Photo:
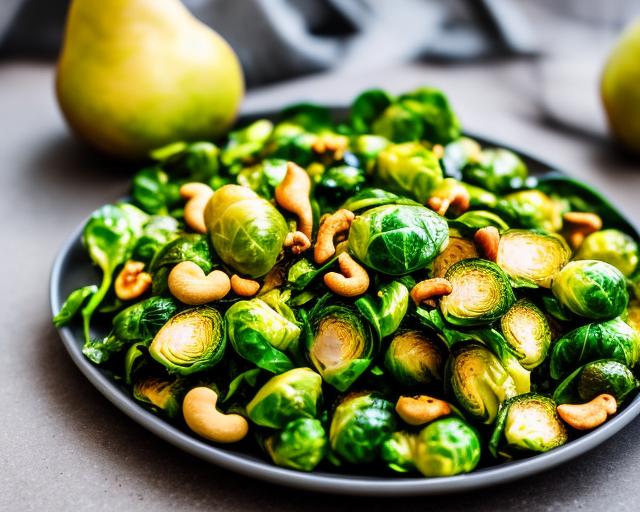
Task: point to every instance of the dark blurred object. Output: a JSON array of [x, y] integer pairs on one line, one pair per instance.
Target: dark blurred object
[[278, 39]]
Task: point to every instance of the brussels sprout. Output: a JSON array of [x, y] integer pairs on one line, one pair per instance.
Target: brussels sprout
[[531, 209], [246, 143], [191, 341], [367, 148], [457, 249], [409, 169], [476, 219], [447, 447], [458, 154], [440, 123], [499, 171], [414, 359], [310, 117], [527, 333], [398, 124], [194, 161], [593, 379], [261, 335], [500, 348], [371, 197], [160, 394], [593, 289], [481, 293], [633, 314], [301, 445], [387, 309], [479, 198], [527, 423], [340, 342], [264, 177], [479, 381], [397, 451], [246, 230], [156, 233], [613, 339], [611, 246], [152, 191], [286, 397], [340, 182], [367, 107], [531, 258], [359, 426], [397, 239]]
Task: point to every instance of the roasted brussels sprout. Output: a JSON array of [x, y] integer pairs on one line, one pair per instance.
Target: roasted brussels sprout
[[286, 397], [397, 239], [531, 209], [152, 191], [156, 233], [194, 161], [481, 293], [367, 107], [613, 339], [414, 359], [478, 381], [246, 230], [590, 288], [527, 333], [499, 171], [359, 426], [447, 447], [611, 246], [340, 342], [531, 258], [440, 123], [398, 451], [456, 250], [191, 341], [264, 177], [387, 309], [339, 183], [527, 423], [593, 379], [245, 143], [160, 394], [301, 445], [458, 154]]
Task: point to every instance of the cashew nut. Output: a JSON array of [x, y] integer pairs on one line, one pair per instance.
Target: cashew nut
[[197, 195], [244, 287], [590, 415], [438, 151], [189, 284], [353, 280], [338, 222], [335, 145], [132, 281], [292, 194], [421, 409], [297, 241], [456, 196], [488, 239], [430, 288], [200, 414], [580, 225]]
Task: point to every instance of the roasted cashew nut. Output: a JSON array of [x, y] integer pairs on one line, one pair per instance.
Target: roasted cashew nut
[[353, 280], [334, 224], [457, 197], [197, 195], [580, 225], [421, 409], [330, 144], [200, 414], [132, 282], [297, 241], [292, 194], [189, 284], [488, 239], [430, 288], [590, 415], [244, 287]]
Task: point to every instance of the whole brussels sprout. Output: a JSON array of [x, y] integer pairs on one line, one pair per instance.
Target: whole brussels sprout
[[398, 451], [367, 107], [160, 394], [431, 105], [339, 183], [531, 209], [359, 426], [447, 447], [590, 288], [458, 154], [479, 381], [191, 341], [527, 333], [397, 239], [286, 397], [414, 358], [247, 231], [245, 143], [527, 423], [456, 250], [398, 124], [611, 246], [499, 171], [481, 293], [301, 445]]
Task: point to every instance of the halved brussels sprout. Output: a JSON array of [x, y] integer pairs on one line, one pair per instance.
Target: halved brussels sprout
[[414, 359], [611, 246], [397, 451], [527, 333], [261, 335], [160, 394], [613, 339], [531, 209], [590, 288], [481, 293], [479, 381], [499, 171], [593, 379], [532, 258], [527, 423], [246, 230], [301, 445], [191, 341], [387, 309], [456, 250], [359, 426], [397, 239], [286, 397], [340, 342], [447, 447]]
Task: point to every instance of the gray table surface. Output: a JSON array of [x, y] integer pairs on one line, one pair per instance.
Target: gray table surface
[[63, 446]]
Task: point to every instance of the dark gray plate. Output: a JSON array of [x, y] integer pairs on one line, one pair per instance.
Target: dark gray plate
[[72, 269]]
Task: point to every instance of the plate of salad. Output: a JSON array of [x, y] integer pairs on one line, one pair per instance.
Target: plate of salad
[[360, 300]]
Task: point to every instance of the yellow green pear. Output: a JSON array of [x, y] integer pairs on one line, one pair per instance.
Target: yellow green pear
[[136, 74], [620, 88]]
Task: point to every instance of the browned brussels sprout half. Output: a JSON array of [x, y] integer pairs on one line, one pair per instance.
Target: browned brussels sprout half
[[414, 359], [527, 333]]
